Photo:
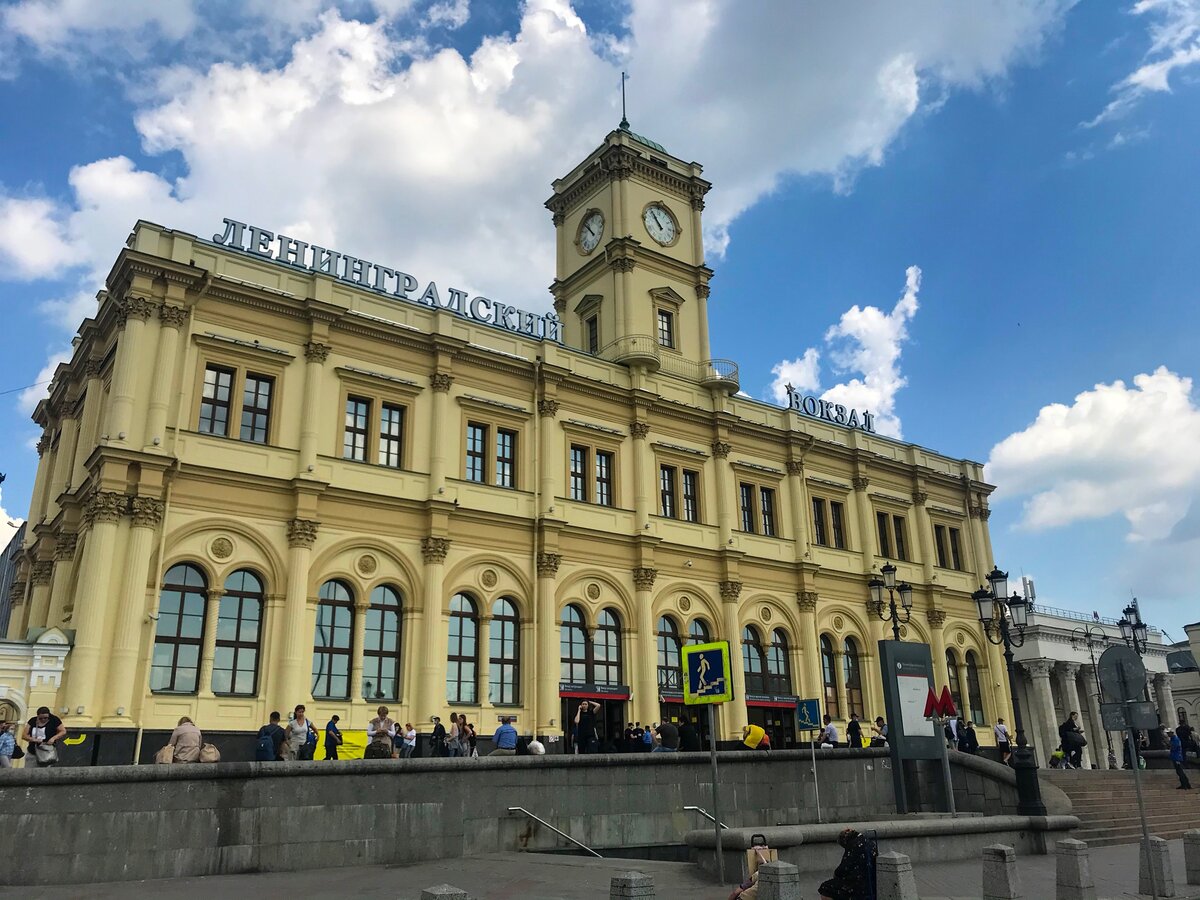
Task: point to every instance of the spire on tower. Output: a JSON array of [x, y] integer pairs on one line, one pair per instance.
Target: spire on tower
[[624, 126]]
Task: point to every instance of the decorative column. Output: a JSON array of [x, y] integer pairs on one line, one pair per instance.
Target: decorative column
[[93, 400], [42, 480], [295, 654], [642, 476], [438, 426], [551, 459], [315, 353], [983, 553], [1165, 698], [796, 496], [129, 625], [998, 672], [64, 462], [721, 451], [702, 292], [1067, 673], [133, 312], [431, 688], [964, 687], [810, 641], [735, 712], [839, 677], [171, 320], [102, 512], [16, 599], [645, 689], [1042, 698], [866, 521], [64, 566], [41, 575], [622, 271], [1098, 737], [356, 688], [208, 651], [548, 658], [937, 644], [924, 535]]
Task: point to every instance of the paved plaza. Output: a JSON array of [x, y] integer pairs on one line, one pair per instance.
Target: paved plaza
[[513, 876]]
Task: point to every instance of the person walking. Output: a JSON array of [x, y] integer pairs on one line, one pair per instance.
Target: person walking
[[271, 740], [1073, 741], [382, 723], [829, 734], [437, 740], [1003, 743], [409, 745], [453, 745], [43, 733], [668, 738], [968, 740], [1177, 759], [333, 738], [505, 739], [8, 745], [185, 742], [854, 732], [298, 746], [689, 737], [471, 745]]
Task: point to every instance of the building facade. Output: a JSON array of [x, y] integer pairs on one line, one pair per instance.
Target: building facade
[[273, 473], [1185, 675]]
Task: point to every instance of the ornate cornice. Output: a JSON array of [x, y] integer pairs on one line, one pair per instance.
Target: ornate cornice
[[919, 497], [105, 506], [1037, 668], [174, 316], [548, 563], [215, 594], [42, 572], [807, 601], [43, 444], [558, 218], [147, 512], [874, 607], [860, 482], [315, 351], [547, 409], [702, 291], [1162, 680], [135, 308], [623, 264], [936, 617], [302, 532], [730, 591], [434, 549], [1069, 669], [440, 382], [721, 449], [16, 593], [92, 368], [639, 429], [795, 467], [64, 547], [643, 577]]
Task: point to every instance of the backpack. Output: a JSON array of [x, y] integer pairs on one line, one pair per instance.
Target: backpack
[[264, 747], [647, 737]]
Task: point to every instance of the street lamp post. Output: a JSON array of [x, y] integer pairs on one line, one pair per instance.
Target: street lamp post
[[1092, 638], [889, 584], [1135, 634], [1009, 613]]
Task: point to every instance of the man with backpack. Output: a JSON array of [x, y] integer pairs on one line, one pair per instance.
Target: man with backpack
[[269, 745]]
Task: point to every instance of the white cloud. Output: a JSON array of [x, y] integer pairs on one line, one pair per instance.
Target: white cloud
[[28, 399], [8, 523], [1174, 46], [1116, 449], [449, 14], [866, 341], [76, 27], [32, 241]]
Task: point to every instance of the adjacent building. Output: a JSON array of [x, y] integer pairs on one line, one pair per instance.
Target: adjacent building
[[273, 473]]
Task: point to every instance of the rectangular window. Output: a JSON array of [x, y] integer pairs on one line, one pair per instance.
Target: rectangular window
[[256, 407], [898, 534], [746, 493], [604, 467], [836, 516], [358, 417], [593, 335], [767, 497], [215, 401], [391, 434], [579, 466], [666, 489], [476, 449], [939, 543], [885, 544], [955, 549], [820, 535], [506, 458], [691, 496], [666, 328]]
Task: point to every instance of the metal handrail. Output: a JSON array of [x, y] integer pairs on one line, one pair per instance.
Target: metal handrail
[[704, 812], [555, 830]]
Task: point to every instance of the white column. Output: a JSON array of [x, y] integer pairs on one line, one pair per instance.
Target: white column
[[1165, 698], [295, 654], [172, 319], [1042, 698], [1097, 736], [431, 686], [735, 712], [134, 311], [645, 668], [546, 643], [1067, 673]]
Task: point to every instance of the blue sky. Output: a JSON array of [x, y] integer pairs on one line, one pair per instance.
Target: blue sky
[[1035, 161]]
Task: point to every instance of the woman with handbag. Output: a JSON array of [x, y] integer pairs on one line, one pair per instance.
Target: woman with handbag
[[43, 733], [298, 730], [185, 742], [8, 746], [1073, 740]]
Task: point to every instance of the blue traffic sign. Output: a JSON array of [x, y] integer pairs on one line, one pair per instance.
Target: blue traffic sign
[[706, 673], [808, 715]]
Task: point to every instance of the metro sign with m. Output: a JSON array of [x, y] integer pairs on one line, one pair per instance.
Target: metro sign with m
[[940, 706]]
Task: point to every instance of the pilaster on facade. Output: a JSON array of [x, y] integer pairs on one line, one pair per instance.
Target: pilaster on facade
[[548, 563], [643, 578], [316, 351], [302, 533], [807, 601], [440, 382], [548, 409], [936, 618], [730, 591], [146, 512], [434, 549], [721, 449], [639, 430], [104, 507]]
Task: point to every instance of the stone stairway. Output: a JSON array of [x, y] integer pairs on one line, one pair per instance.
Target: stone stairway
[[1106, 804]]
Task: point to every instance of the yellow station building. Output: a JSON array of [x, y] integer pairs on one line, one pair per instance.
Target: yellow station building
[[273, 473]]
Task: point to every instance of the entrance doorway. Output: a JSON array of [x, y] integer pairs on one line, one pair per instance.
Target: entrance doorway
[[678, 713], [778, 722], [610, 723]]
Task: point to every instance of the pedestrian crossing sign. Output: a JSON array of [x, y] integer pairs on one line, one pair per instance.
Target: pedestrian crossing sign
[[706, 673]]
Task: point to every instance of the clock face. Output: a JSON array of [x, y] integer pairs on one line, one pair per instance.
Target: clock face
[[590, 231], [659, 224]]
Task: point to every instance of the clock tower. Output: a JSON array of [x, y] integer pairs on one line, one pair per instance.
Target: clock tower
[[631, 285]]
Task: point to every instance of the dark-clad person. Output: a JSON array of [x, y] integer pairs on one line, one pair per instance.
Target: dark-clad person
[[668, 738], [437, 740], [44, 731], [851, 877], [689, 738], [586, 740], [968, 740], [270, 740], [854, 732]]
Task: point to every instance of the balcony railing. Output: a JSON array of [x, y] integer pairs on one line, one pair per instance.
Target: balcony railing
[[644, 349]]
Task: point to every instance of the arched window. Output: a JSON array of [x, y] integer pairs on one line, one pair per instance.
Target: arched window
[[779, 672], [463, 653], [852, 669], [504, 636], [670, 675], [1181, 715], [381, 645], [332, 644], [754, 661], [239, 631], [698, 632], [606, 648], [573, 647], [974, 694], [952, 675], [180, 631], [829, 677]]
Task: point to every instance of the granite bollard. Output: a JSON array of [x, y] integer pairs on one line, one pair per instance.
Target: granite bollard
[[1191, 855], [444, 892], [1000, 880], [630, 884], [1073, 879], [1156, 863], [894, 879], [778, 881]]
